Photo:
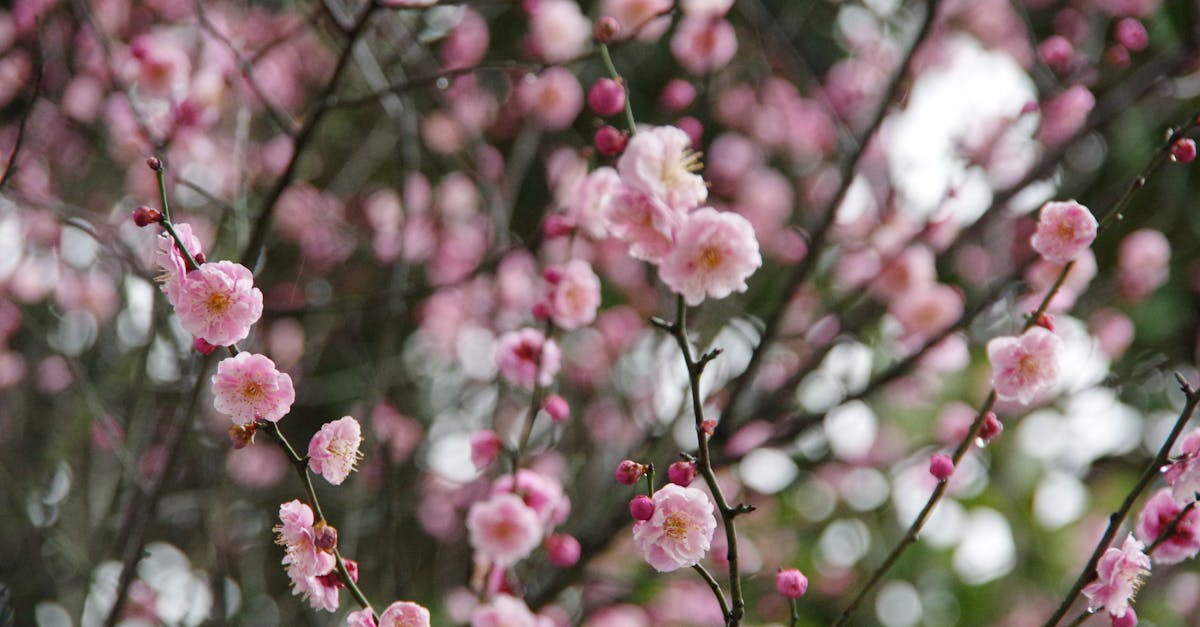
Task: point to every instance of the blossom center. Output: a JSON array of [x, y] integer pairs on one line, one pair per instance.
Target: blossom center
[[710, 258], [676, 526], [218, 303], [252, 391]]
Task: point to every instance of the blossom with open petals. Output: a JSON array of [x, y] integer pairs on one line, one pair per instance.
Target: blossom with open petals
[[404, 614], [526, 357], [1158, 514], [1118, 576], [503, 611], [1026, 366], [680, 531], [715, 252], [218, 303], [503, 528], [170, 260], [659, 161], [247, 387], [1184, 475], [296, 535], [334, 450], [1064, 230], [576, 296]]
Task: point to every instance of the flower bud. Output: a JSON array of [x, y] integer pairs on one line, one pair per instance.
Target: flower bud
[[564, 550], [1046, 321], [1131, 34], [606, 30], [991, 427], [202, 346], [682, 473], [677, 95], [154, 164], [609, 141], [552, 275], [324, 536], [1183, 150], [941, 467], [541, 310], [791, 583], [693, 128], [1128, 619], [145, 216], [630, 472], [606, 97], [557, 407], [641, 507]]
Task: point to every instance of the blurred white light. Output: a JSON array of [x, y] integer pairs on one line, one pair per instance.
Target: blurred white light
[[767, 470], [898, 604], [50, 614], [987, 550], [1059, 500], [476, 350], [77, 248], [864, 489], [844, 542], [815, 499], [450, 456], [851, 430]]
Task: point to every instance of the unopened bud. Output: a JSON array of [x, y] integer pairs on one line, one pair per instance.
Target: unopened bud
[[682, 473], [552, 275], [990, 428], [630, 472], [606, 30], [609, 141], [941, 467], [154, 164], [243, 435], [145, 216], [203, 347], [325, 536], [541, 310], [1183, 150], [1046, 321], [558, 408], [556, 226], [641, 507]]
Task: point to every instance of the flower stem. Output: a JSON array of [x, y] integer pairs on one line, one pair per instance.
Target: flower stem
[[606, 58]]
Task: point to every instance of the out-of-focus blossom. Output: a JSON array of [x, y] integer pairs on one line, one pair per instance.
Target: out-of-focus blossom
[[404, 614], [575, 297], [1142, 263], [526, 356], [644, 222], [647, 19], [503, 611], [503, 528], [1064, 230], [702, 44], [1065, 114], [1024, 367], [1159, 512], [553, 97], [558, 30], [1184, 475]]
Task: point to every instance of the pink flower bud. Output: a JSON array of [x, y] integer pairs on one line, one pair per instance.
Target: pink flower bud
[[564, 550], [677, 95], [1183, 150], [791, 583], [1057, 53], [1117, 56], [1131, 34], [682, 473], [145, 216], [541, 310], [325, 536], [202, 346], [609, 141], [556, 226], [630, 472], [708, 426], [641, 507], [1046, 321], [485, 447], [941, 467], [552, 275], [606, 30], [154, 164], [990, 428], [693, 128], [557, 407], [606, 97]]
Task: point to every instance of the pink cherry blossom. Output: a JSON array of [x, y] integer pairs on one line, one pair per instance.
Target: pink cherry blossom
[[1064, 230], [404, 614], [576, 296], [168, 258], [706, 8], [680, 531], [526, 356], [659, 161], [589, 207], [485, 447], [640, 17], [503, 529], [1024, 367], [1184, 475], [248, 388], [218, 303], [321, 591], [503, 611], [1157, 515], [361, 618], [644, 222], [334, 450], [558, 30], [791, 583], [296, 535], [563, 550], [1142, 263], [1118, 576], [702, 44], [543, 494], [554, 97], [715, 253]]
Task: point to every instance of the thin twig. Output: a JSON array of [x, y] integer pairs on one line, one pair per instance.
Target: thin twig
[[11, 168]]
